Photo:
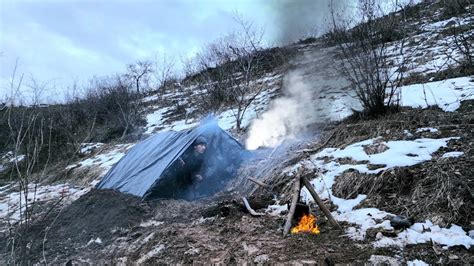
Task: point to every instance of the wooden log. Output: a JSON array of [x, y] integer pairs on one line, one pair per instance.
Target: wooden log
[[294, 201], [249, 209], [320, 203]]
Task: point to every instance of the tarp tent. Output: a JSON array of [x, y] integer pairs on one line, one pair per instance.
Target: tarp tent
[[145, 163]]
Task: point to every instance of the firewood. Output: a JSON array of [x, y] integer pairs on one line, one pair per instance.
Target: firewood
[[249, 209], [259, 183], [294, 201], [320, 203]]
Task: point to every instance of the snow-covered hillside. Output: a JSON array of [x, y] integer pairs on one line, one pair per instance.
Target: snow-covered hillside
[[434, 128]]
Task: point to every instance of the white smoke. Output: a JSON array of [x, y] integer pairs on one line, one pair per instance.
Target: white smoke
[[287, 117]]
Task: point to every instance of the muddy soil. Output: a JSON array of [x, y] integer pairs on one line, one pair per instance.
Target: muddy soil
[[72, 230]]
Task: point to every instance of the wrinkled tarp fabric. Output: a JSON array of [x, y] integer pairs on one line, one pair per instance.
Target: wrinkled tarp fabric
[[144, 163]]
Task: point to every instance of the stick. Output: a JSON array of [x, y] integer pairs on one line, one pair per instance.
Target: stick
[[249, 209], [259, 183], [317, 148], [296, 196], [320, 203]]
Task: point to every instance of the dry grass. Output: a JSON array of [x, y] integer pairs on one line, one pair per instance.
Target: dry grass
[[440, 190], [435, 190]]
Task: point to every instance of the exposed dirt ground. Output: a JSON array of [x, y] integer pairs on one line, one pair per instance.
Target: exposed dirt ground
[[216, 230]]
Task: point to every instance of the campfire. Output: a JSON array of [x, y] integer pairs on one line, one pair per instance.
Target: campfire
[[307, 224]]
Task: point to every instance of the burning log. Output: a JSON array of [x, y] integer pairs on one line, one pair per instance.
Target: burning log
[[320, 203], [294, 201]]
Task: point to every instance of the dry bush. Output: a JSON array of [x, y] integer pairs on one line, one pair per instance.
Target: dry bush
[[454, 7], [463, 43], [114, 106], [365, 53]]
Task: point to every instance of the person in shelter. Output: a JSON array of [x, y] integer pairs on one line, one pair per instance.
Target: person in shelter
[[183, 175]]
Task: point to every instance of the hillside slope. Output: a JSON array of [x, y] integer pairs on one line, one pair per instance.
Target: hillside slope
[[415, 163]]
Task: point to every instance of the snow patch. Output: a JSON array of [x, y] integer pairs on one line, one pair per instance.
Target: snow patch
[[453, 154], [399, 153], [155, 120], [453, 236], [105, 161], [426, 129], [275, 210], [417, 263], [97, 241], [88, 148], [151, 223], [446, 94], [382, 260], [155, 251], [13, 205]]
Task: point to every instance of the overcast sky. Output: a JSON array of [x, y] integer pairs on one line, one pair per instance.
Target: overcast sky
[[59, 42]]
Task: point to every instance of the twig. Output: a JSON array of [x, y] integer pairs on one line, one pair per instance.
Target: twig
[[259, 183], [249, 209], [312, 150]]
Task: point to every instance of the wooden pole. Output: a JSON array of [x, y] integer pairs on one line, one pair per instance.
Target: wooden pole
[[295, 198], [320, 203]]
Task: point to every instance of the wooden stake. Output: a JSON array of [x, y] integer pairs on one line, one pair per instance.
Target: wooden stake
[[295, 199], [320, 203]]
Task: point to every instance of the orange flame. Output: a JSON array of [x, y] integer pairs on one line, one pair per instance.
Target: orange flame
[[307, 224]]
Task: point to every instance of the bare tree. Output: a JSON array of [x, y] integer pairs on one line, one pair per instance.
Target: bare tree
[[139, 73], [229, 68], [116, 106], [163, 72], [371, 55]]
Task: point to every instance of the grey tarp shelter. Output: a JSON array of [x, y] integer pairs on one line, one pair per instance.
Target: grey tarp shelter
[[144, 164]]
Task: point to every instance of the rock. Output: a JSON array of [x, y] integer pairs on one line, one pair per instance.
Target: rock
[[401, 222]]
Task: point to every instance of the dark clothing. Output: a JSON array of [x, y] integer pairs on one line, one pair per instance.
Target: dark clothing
[[178, 179], [192, 166]]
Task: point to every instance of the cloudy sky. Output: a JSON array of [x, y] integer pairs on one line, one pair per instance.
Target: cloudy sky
[[59, 42]]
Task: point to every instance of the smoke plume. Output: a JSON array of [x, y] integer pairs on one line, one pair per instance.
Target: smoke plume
[[299, 19], [287, 117]]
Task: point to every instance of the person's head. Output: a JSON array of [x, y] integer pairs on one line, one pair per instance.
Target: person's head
[[200, 144]]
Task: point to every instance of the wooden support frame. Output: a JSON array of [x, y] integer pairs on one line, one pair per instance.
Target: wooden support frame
[[320, 203], [294, 200], [300, 181]]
